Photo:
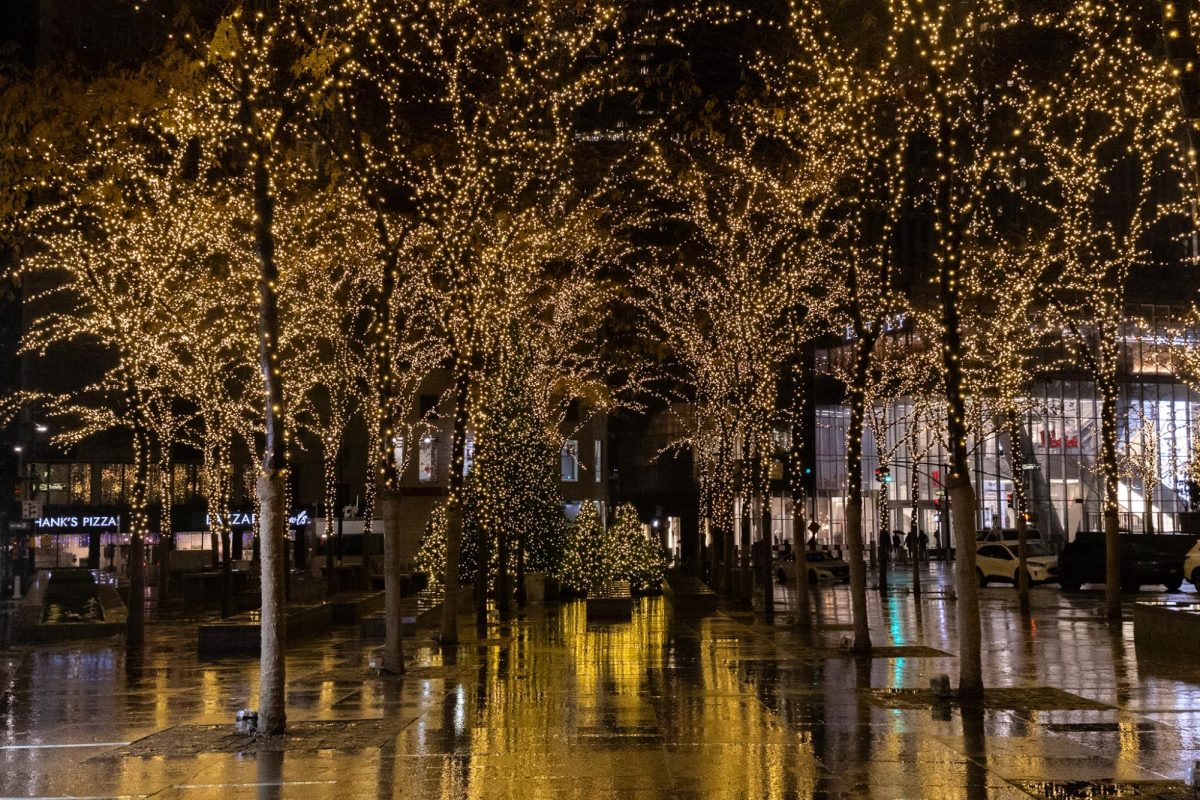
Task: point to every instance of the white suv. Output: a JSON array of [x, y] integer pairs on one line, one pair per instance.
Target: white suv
[[1191, 565], [995, 561]]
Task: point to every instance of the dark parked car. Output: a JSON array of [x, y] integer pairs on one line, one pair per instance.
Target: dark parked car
[[1144, 560]]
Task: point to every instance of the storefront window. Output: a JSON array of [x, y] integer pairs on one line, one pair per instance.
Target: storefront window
[[427, 460], [52, 483], [112, 488], [81, 484], [570, 461], [183, 484]]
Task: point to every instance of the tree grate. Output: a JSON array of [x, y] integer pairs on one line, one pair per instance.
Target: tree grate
[[190, 740], [1118, 790], [1020, 698]]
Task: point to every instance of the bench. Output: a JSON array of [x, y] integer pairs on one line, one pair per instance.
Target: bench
[[350, 609], [690, 596], [1167, 630], [241, 635], [422, 611]]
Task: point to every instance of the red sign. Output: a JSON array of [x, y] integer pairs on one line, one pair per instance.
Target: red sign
[[1055, 442]]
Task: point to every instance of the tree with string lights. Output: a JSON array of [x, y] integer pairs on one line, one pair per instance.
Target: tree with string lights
[[1008, 344], [720, 301], [1105, 141], [266, 68], [821, 99], [1141, 460], [119, 245], [900, 372], [481, 133]]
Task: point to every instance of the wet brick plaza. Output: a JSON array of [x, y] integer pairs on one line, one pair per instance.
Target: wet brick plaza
[[549, 706]]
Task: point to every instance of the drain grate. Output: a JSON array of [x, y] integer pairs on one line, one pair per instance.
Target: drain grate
[[1101, 727], [1118, 790], [899, 651], [190, 740], [1028, 698]]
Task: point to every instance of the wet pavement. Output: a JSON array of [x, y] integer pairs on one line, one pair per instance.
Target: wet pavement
[[549, 706]]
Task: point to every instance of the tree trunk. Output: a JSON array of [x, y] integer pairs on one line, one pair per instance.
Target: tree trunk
[[166, 534], [503, 585], [226, 571], [330, 503], [915, 531], [745, 525], [1022, 563], [915, 490], [272, 712], [521, 598], [451, 591], [1017, 461], [854, 501], [393, 647], [272, 716], [1110, 472], [881, 507], [454, 510], [483, 568], [796, 490], [959, 489], [1149, 523], [136, 620], [803, 606], [725, 511], [962, 514], [767, 570]]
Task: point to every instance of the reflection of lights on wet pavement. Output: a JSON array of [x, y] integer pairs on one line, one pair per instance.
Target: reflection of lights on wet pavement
[[550, 705]]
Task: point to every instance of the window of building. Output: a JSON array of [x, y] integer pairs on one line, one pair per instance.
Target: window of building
[[112, 485], [427, 460], [468, 454], [596, 460], [573, 411], [570, 460], [183, 485], [51, 483], [81, 484]]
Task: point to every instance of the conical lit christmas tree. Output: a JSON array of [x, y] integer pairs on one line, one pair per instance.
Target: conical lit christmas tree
[[634, 556], [588, 561]]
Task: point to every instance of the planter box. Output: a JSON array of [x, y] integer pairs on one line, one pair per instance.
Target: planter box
[[241, 635], [422, 611], [612, 603], [1167, 631], [689, 596], [535, 587], [350, 609]]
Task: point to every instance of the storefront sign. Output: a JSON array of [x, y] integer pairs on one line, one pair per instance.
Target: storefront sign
[[1054, 441], [248, 519], [77, 522]]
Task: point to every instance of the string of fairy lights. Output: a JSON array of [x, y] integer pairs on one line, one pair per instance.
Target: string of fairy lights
[[333, 200]]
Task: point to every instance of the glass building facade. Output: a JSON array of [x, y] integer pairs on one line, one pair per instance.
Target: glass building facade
[[1056, 459]]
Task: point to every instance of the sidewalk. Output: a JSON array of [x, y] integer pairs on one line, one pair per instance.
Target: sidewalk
[[550, 707]]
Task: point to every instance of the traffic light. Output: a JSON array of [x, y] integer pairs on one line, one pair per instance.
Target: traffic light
[[883, 475], [1009, 499]]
